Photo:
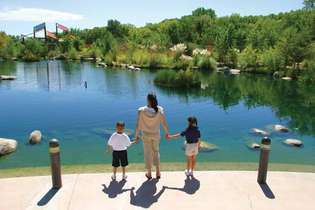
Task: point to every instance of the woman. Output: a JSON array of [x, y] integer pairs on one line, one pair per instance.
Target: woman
[[150, 118]]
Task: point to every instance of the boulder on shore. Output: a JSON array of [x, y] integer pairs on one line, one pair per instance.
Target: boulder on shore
[[280, 128], [293, 142], [133, 68], [7, 146], [102, 64], [235, 71], [7, 77], [35, 137], [259, 131], [286, 78]]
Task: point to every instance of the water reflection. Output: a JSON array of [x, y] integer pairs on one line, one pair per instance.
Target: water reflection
[[289, 100]]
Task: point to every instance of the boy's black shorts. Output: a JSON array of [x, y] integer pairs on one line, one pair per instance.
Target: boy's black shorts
[[120, 158]]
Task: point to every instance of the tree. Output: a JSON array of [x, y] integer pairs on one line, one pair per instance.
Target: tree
[[202, 11], [248, 58], [309, 4], [117, 29]]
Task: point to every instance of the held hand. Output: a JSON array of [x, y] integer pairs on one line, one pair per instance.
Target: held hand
[[167, 136]]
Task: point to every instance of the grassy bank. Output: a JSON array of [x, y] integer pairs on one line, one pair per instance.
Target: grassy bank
[[101, 168]]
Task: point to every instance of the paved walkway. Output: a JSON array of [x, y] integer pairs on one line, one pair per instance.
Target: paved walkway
[[217, 190]]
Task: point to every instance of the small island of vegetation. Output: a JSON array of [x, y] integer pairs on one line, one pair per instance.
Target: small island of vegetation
[[282, 45]]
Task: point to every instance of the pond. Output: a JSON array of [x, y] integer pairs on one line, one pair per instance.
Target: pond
[[51, 97]]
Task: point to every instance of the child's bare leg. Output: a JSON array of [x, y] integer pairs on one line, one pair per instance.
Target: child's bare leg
[[114, 173], [193, 160], [123, 171], [188, 163]]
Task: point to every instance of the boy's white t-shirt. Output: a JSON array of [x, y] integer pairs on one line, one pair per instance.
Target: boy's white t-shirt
[[119, 142]]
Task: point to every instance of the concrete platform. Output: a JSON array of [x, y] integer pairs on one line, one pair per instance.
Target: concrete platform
[[218, 190]]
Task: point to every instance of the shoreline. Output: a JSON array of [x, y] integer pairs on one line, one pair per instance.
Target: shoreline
[[138, 167]]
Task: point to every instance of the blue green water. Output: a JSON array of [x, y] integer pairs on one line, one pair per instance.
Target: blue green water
[[51, 97]]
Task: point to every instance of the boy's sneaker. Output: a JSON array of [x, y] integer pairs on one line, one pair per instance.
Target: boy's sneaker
[[187, 172], [113, 177], [124, 177]]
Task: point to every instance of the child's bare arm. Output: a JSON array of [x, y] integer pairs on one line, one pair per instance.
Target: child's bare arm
[[174, 136], [109, 148]]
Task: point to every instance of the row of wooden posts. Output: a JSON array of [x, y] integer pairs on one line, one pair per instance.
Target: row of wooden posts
[[54, 151]]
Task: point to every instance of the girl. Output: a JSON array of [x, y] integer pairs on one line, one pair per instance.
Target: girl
[[192, 143]]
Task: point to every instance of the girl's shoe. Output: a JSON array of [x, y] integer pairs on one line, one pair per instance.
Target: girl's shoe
[[113, 177], [191, 173], [148, 177], [124, 177], [187, 173], [158, 176]]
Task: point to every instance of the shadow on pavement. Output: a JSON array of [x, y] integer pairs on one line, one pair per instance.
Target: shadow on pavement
[[47, 197], [146, 194], [115, 188], [191, 186], [267, 191]]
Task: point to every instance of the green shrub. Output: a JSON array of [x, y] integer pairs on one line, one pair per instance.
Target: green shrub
[[248, 58], [272, 60], [171, 78], [73, 54], [205, 62], [34, 50], [308, 74]]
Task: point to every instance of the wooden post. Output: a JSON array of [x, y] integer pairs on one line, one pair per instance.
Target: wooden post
[[263, 162], [54, 152], [45, 33], [56, 29]]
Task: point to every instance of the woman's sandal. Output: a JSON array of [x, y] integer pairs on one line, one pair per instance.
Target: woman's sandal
[[148, 177], [158, 176]]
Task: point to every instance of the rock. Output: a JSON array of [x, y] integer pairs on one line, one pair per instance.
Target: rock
[[7, 146], [280, 128], [260, 132], [88, 59], [204, 147], [102, 64], [235, 71], [98, 59], [7, 77], [223, 69], [253, 145], [276, 74], [35, 137], [186, 57], [133, 68], [293, 142], [286, 78]]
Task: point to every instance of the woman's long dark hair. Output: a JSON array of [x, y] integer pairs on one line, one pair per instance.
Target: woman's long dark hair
[[153, 103]]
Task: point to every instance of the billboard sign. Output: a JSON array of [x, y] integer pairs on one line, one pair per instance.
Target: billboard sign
[[62, 27], [39, 27]]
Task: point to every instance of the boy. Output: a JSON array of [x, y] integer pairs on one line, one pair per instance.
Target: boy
[[118, 143]]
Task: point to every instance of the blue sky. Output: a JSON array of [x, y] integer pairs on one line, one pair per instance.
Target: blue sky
[[19, 16]]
